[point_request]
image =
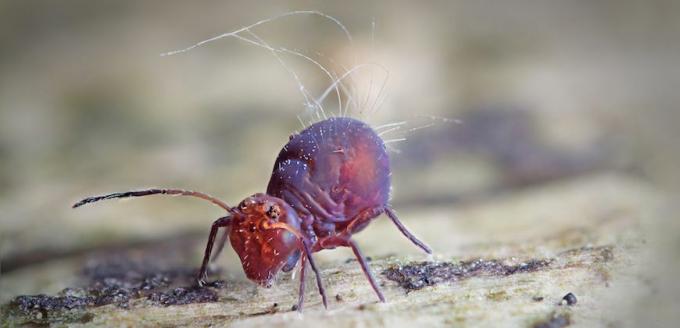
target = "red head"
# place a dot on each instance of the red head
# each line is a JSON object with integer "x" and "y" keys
{"x": 265, "y": 233}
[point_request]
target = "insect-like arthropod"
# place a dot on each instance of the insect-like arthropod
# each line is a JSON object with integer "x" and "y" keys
{"x": 329, "y": 182}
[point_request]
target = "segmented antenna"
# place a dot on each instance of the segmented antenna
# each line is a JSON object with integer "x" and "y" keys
{"x": 155, "y": 191}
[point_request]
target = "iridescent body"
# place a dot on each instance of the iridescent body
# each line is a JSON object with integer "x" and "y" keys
{"x": 333, "y": 172}
{"x": 328, "y": 183}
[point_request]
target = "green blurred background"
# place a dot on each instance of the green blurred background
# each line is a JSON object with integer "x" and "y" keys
{"x": 497, "y": 97}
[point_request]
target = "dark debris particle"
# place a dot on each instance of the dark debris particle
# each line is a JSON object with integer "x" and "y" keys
{"x": 43, "y": 309}
{"x": 554, "y": 321}
{"x": 338, "y": 297}
{"x": 183, "y": 295}
{"x": 219, "y": 284}
{"x": 570, "y": 299}
{"x": 350, "y": 260}
{"x": 28, "y": 303}
{"x": 537, "y": 298}
{"x": 271, "y": 310}
{"x": 417, "y": 275}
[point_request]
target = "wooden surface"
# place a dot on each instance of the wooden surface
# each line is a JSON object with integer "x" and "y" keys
{"x": 595, "y": 236}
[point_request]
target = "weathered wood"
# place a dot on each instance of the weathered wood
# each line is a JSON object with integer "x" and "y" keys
{"x": 507, "y": 261}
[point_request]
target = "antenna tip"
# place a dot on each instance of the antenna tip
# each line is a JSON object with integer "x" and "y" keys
{"x": 81, "y": 203}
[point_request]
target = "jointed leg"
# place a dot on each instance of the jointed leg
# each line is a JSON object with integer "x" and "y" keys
{"x": 220, "y": 244}
{"x": 219, "y": 223}
{"x": 301, "y": 298}
{"x": 362, "y": 219}
{"x": 319, "y": 284}
{"x": 313, "y": 205}
{"x": 366, "y": 269}
{"x": 405, "y": 231}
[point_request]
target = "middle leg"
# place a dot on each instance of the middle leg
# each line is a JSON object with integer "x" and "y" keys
{"x": 319, "y": 283}
{"x": 366, "y": 269}
{"x": 301, "y": 297}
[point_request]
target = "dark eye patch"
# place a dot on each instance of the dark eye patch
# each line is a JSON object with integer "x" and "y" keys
{"x": 273, "y": 212}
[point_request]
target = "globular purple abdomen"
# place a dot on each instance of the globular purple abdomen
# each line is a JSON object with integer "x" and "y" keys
{"x": 332, "y": 170}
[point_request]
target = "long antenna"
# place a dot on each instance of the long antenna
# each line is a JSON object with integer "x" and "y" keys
{"x": 155, "y": 191}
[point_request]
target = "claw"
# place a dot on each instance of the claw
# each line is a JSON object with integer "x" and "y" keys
{"x": 202, "y": 282}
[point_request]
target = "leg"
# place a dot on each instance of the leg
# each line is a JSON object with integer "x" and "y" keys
{"x": 319, "y": 284}
{"x": 366, "y": 269}
{"x": 220, "y": 244}
{"x": 155, "y": 191}
{"x": 203, "y": 273}
{"x": 405, "y": 231}
{"x": 359, "y": 222}
{"x": 362, "y": 219}
{"x": 315, "y": 207}
{"x": 301, "y": 298}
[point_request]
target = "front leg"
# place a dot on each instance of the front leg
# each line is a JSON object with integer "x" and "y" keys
{"x": 203, "y": 273}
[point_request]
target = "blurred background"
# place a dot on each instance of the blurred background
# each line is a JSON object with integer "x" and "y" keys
{"x": 496, "y": 97}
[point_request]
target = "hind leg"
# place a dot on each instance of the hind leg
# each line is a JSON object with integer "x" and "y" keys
{"x": 408, "y": 234}
{"x": 364, "y": 218}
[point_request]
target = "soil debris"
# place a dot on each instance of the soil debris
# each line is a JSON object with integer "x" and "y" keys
{"x": 421, "y": 274}
{"x": 48, "y": 303}
{"x": 350, "y": 260}
{"x": 271, "y": 310}
{"x": 116, "y": 279}
{"x": 569, "y": 299}
{"x": 183, "y": 295}
{"x": 417, "y": 275}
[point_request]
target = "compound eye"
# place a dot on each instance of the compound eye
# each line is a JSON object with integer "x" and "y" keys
{"x": 246, "y": 203}
{"x": 274, "y": 212}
